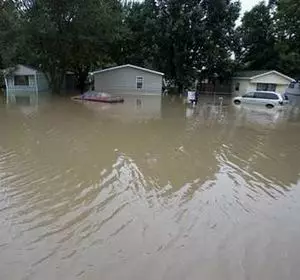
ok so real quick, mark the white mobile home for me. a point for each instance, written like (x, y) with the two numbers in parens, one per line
(23, 81)
(128, 79)
(263, 80)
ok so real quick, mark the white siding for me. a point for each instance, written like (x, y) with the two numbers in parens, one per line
(281, 88)
(243, 88)
(251, 85)
(272, 78)
(123, 81)
(42, 82)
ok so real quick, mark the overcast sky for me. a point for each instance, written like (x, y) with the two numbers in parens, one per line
(248, 4)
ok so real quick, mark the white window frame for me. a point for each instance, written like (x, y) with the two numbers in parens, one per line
(136, 82)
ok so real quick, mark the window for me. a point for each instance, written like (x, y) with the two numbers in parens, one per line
(139, 82)
(237, 86)
(266, 87)
(265, 95)
(248, 95)
(21, 80)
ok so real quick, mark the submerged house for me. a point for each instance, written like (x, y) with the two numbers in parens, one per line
(24, 81)
(128, 79)
(263, 80)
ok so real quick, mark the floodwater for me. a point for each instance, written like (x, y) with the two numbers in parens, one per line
(149, 189)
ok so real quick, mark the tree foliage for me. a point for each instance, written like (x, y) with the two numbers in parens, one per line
(288, 22)
(60, 35)
(258, 36)
(185, 39)
(270, 37)
(12, 39)
(181, 38)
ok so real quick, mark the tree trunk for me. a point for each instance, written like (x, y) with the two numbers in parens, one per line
(180, 87)
(82, 74)
(56, 78)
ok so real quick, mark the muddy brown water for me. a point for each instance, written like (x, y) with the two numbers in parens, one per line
(149, 190)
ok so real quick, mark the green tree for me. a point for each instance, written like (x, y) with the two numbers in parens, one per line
(58, 35)
(70, 35)
(220, 39)
(288, 20)
(12, 39)
(194, 36)
(258, 39)
(137, 45)
(177, 37)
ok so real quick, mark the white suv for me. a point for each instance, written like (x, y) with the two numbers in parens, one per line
(269, 99)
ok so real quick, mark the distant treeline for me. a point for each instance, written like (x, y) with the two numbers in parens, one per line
(185, 39)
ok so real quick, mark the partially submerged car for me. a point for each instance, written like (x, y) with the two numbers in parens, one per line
(269, 99)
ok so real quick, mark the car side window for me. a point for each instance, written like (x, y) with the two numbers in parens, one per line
(259, 95)
(265, 95)
(248, 95)
(273, 96)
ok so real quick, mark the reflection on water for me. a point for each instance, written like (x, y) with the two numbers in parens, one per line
(151, 189)
(134, 108)
(27, 102)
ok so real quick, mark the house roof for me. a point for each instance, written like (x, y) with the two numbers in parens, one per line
(29, 67)
(125, 66)
(249, 75)
(17, 68)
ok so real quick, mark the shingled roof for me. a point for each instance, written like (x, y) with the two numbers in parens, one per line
(250, 74)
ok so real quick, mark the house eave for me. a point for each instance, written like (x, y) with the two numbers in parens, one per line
(125, 66)
(241, 78)
(273, 72)
(264, 74)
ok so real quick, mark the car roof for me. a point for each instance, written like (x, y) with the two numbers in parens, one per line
(263, 91)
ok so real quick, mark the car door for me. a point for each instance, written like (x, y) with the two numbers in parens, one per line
(270, 98)
(248, 98)
(259, 98)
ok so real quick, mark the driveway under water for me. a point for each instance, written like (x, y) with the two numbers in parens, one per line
(149, 189)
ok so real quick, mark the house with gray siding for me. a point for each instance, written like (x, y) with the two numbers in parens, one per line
(24, 81)
(128, 79)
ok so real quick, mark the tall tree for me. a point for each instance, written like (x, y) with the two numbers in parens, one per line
(288, 20)
(196, 35)
(180, 26)
(70, 35)
(258, 39)
(137, 45)
(12, 39)
(220, 41)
